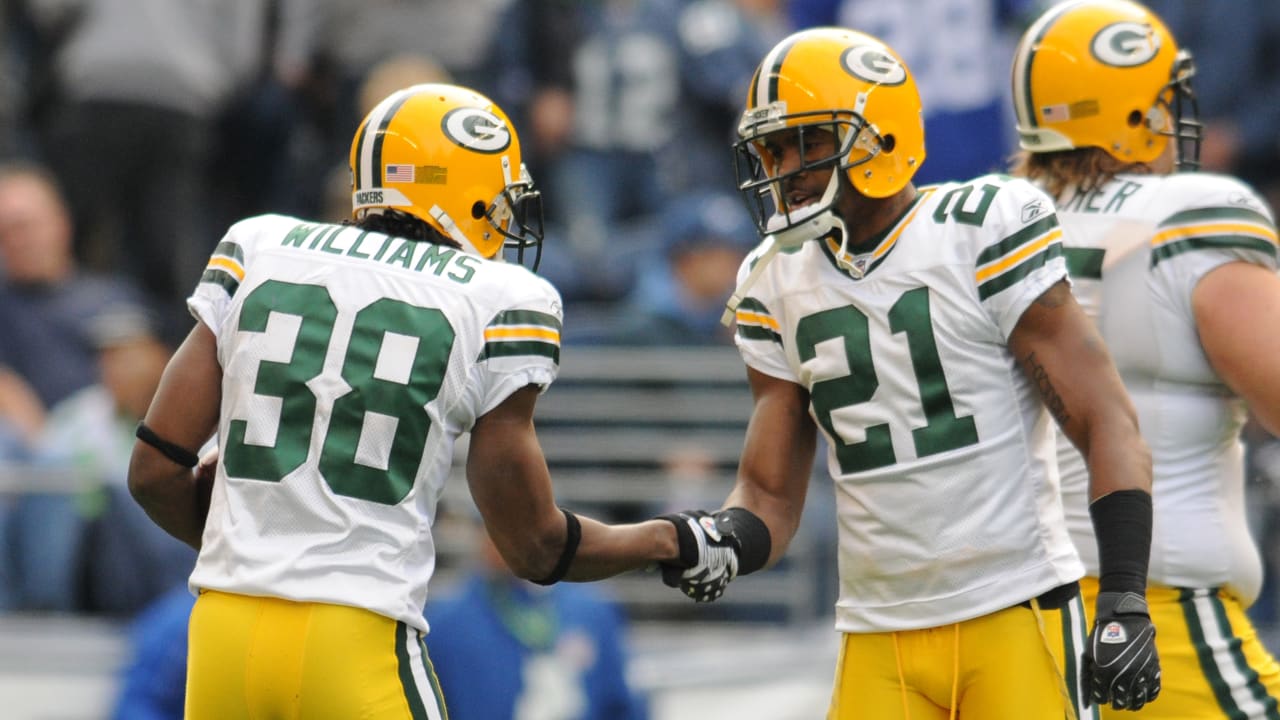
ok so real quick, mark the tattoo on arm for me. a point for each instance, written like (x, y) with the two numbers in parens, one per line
(1052, 400)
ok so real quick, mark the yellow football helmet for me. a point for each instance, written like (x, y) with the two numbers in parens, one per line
(838, 80)
(451, 158)
(1105, 74)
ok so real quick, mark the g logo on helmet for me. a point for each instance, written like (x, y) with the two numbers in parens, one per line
(476, 129)
(872, 64)
(1125, 44)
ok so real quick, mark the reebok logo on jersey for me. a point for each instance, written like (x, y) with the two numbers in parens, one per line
(1031, 211)
(1113, 634)
(708, 524)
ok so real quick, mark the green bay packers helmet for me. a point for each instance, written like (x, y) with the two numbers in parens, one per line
(838, 80)
(1105, 74)
(449, 157)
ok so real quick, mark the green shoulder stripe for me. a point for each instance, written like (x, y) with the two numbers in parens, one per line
(751, 304)
(526, 317)
(223, 278)
(754, 331)
(1018, 239)
(518, 348)
(1216, 214)
(758, 332)
(1210, 242)
(231, 250)
(1018, 272)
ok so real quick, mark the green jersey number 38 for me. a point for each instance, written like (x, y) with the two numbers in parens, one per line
(372, 404)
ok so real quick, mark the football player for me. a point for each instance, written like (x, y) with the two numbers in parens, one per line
(338, 364)
(1178, 269)
(931, 335)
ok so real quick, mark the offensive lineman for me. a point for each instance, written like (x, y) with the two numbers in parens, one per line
(930, 333)
(1179, 271)
(338, 364)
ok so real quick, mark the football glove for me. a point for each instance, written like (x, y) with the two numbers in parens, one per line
(1119, 664)
(708, 554)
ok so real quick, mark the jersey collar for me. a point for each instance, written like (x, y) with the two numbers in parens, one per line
(859, 265)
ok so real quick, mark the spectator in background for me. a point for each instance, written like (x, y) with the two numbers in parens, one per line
(626, 88)
(395, 72)
(96, 550)
(46, 302)
(959, 52)
(630, 107)
(325, 51)
(10, 85)
(720, 42)
(153, 681)
(531, 72)
(138, 88)
(681, 291)
(506, 648)
(21, 417)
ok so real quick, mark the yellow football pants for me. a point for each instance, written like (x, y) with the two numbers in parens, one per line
(995, 667)
(257, 658)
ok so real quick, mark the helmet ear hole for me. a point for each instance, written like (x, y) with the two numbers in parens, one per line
(887, 143)
(477, 210)
(1134, 119)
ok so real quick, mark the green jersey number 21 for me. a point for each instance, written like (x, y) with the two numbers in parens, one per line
(374, 404)
(909, 315)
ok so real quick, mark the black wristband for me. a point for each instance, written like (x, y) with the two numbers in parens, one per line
(754, 541)
(176, 453)
(573, 536)
(1122, 524)
(685, 540)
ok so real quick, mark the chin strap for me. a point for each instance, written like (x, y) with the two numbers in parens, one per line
(791, 238)
(731, 307)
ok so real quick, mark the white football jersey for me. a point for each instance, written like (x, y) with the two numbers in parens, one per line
(351, 363)
(1136, 248)
(940, 448)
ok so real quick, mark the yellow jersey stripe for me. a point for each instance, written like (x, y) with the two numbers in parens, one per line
(757, 319)
(1234, 228)
(227, 264)
(517, 333)
(1018, 256)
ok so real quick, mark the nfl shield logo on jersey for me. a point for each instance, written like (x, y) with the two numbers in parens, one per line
(1113, 634)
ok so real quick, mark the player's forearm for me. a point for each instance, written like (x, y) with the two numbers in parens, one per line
(607, 550)
(1118, 459)
(171, 496)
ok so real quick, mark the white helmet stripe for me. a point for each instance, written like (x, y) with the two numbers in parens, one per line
(369, 169)
(766, 89)
(1026, 115)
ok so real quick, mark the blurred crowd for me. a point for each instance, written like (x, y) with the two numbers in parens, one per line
(134, 132)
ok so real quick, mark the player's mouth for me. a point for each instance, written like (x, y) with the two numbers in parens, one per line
(796, 199)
